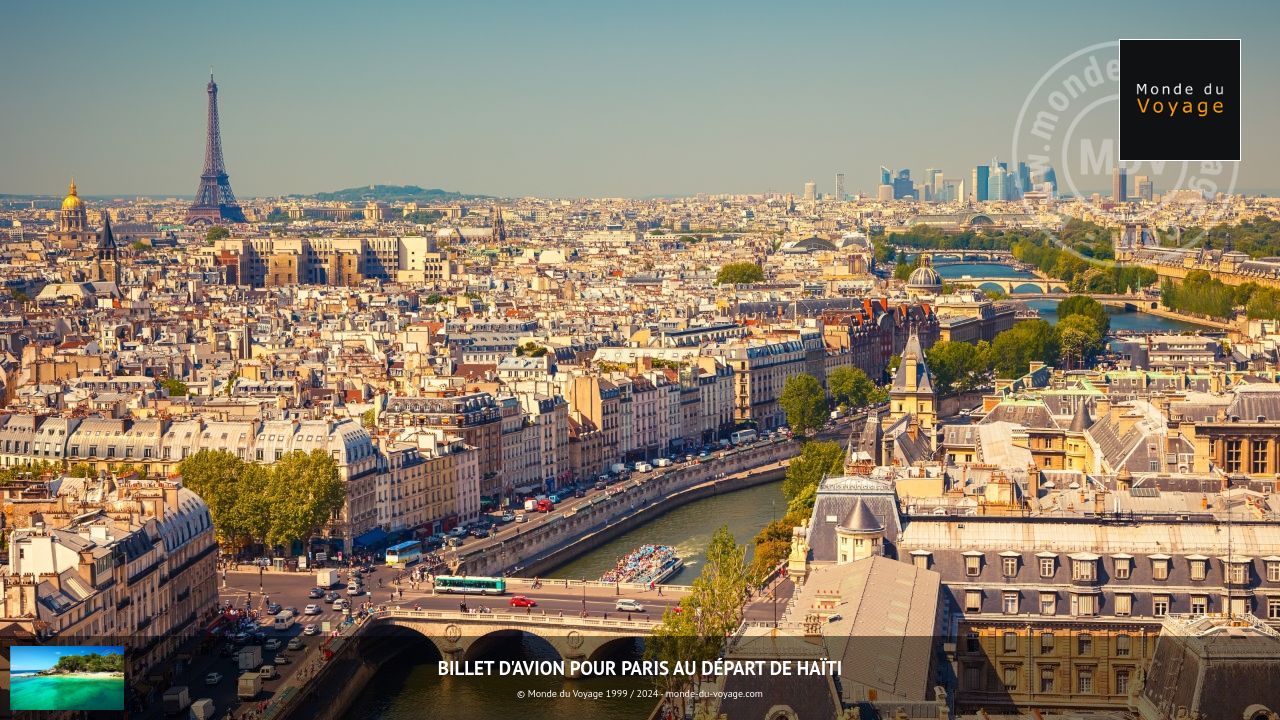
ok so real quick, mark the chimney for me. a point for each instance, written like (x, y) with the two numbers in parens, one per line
(85, 568)
(1102, 407)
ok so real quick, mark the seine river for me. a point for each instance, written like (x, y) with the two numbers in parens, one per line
(410, 687)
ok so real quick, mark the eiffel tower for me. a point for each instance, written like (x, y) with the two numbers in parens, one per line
(214, 200)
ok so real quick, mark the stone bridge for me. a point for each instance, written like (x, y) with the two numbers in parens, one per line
(467, 636)
(1014, 286)
(958, 256)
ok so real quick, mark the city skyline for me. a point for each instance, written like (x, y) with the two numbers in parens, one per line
(567, 101)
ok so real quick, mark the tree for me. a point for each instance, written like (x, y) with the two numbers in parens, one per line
(850, 387)
(215, 233)
(1088, 307)
(1079, 338)
(222, 480)
(957, 365)
(815, 461)
(175, 387)
(711, 611)
(804, 402)
(1015, 348)
(742, 273)
(304, 491)
(434, 299)
(369, 419)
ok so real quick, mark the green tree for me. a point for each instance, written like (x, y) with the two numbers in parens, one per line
(851, 387)
(804, 402)
(711, 611)
(815, 461)
(175, 387)
(1080, 339)
(1015, 348)
(225, 484)
(369, 419)
(1088, 307)
(215, 233)
(434, 299)
(742, 273)
(304, 491)
(958, 365)
(81, 470)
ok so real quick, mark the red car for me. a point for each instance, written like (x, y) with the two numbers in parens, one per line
(522, 601)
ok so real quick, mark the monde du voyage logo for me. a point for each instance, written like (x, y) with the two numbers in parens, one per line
(1180, 100)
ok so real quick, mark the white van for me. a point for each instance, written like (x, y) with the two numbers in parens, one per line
(284, 620)
(354, 588)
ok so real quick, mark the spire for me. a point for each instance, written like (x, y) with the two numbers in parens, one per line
(71, 189)
(106, 238)
(861, 519)
(1081, 421)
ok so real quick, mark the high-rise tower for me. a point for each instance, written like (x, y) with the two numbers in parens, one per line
(214, 200)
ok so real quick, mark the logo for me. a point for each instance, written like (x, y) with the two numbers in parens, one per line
(1067, 131)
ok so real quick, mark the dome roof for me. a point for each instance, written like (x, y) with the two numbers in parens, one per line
(72, 201)
(924, 276)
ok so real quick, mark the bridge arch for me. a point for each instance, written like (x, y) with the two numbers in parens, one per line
(625, 647)
(509, 641)
(1026, 287)
(992, 285)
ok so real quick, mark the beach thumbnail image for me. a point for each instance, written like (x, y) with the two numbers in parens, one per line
(66, 677)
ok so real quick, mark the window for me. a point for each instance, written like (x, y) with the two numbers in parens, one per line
(972, 565)
(1010, 603)
(1258, 460)
(1239, 605)
(1199, 604)
(1010, 678)
(1238, 573)
(1084, 644)
(1199, 568)
(1160, 605)
(1122, 568)
(1082, 605)
(1048, 603)
(1273, 571)
(971, 643)
(1046, 680)
(1010, 642)
(1122, 681)
(1082, 570)
(1233, 455)
(1046, 643)
(1160, 569)
(1084, 681)
(973, 677)
(972, 600)
(1046, 567)
(1123, 644)
(1273, 608)
(1009, 566)
(1124, 605)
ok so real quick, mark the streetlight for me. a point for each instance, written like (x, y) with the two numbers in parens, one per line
(584, 597)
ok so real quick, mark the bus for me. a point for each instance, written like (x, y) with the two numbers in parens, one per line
(406, 553)
(743, 436)
(471, 585)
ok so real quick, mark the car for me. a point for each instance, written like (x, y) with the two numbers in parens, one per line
(281, 660)
(311, 610)
(267, 672)
(331, 597)
(508, 517)
(628, 605)
(213, 678)
(354, 590)
(522, 601)
(602, 485)
(315, 593)
(341, 605)
(520, 518)
(554, 498)
(579, 493)
(295, 644)
(310, 630)
(272, 644)
(273, 608)
(368, 569)
(292, 610)
(479, 533)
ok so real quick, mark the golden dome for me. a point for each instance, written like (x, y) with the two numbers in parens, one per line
(72, 201)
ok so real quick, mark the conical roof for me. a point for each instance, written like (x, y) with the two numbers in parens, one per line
(861, 519)
(1081, 421)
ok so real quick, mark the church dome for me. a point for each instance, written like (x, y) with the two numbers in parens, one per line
(925, 277)
(72, 200)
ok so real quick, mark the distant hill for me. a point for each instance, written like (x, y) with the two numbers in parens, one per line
(393, 193)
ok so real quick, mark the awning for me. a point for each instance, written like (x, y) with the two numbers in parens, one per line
(371, 538)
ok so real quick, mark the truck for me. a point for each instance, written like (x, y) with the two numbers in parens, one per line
(202, 709)
(663, 462)
(249, 686)
(176, 700)
(544, 505)
(643, 467)
(530, 505)
(617, 468)
(249, 658)
(326, 578)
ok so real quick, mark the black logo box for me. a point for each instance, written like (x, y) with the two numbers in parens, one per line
(1185, 64)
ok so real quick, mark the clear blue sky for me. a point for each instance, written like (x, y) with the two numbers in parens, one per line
(30, 658)
(558, 98)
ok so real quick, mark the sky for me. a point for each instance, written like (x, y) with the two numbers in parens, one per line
(29, 658)
(558, 98)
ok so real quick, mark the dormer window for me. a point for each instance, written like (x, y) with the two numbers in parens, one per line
(1160, 567)
(1084, 566)
(1199, 565)
(1009, 564)
(972, 563)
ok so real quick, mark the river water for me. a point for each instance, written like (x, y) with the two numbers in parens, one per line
(410, 687)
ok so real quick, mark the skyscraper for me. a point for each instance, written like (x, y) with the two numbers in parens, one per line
(1119, 185)
(810, 191)
(902, 185)
(1024, 178)
(981, 178)
(1143, 188)
(1051, 177)
(998, 184)
(839, 186)
(886, 177)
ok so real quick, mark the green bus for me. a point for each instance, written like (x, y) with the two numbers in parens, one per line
(471, 585)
